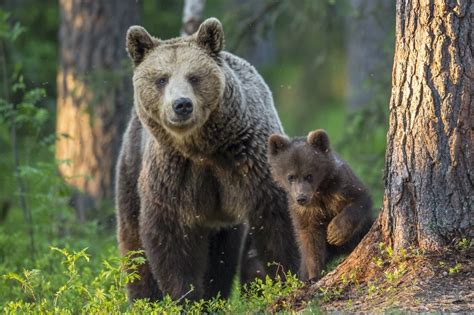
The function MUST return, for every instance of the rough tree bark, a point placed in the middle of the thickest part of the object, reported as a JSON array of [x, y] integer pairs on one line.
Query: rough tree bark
[[94, 94], [428, 201]]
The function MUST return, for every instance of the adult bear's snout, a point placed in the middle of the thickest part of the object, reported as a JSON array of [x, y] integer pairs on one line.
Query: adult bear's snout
[[183, 107]]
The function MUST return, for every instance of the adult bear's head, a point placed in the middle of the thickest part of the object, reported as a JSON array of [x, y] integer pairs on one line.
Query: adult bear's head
[[178, 82]]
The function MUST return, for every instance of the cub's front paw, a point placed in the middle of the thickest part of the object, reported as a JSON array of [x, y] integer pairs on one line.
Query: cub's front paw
[[339, 231]]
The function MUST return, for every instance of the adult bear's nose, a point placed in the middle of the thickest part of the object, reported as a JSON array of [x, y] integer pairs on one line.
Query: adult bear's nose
[[183, 107], [301, 199]]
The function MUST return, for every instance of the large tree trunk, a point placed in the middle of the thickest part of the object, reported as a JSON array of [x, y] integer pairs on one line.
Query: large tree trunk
[[429, 171], [428, 201], [94, 94]]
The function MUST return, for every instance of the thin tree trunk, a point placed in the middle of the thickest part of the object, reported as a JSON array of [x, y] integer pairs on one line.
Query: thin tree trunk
[[255, 42], [27, 216], [368, 61], [192, 16], [94, 94]]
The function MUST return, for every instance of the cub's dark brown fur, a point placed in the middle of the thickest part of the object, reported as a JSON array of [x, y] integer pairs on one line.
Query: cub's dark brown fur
[[330, 207]]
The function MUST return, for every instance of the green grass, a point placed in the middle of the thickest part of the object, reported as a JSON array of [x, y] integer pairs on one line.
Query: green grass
[[65, 281]]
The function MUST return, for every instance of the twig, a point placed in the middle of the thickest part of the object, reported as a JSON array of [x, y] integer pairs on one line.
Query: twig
[[185, 294]]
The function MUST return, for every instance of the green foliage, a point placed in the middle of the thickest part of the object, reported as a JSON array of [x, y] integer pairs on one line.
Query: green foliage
[[395, 273], [35, 53], [465, 244], [455, 269], [388, 257], [26, 113], [7, 32], [77, 283], [450, 270], [260, 293]]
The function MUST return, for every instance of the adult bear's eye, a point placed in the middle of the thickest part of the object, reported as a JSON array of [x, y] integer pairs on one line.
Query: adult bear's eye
[[309, 178], [193, 79], [291, 178], [161, 82]]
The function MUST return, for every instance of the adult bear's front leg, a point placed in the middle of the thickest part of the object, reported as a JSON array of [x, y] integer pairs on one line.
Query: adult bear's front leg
[[271, 228], [225, 247], [177, 255]]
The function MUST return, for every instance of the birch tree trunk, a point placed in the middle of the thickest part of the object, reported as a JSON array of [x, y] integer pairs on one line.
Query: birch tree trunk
[[94, 94], [192, 16]]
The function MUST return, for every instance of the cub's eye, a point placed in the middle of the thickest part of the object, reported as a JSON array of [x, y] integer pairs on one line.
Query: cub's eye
[[161, 82], [194, 79], [309, 178], [291, 178]]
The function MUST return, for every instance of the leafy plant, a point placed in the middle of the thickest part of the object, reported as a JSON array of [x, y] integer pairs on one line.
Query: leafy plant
[[465, 244], [455, 269], [80, 289]]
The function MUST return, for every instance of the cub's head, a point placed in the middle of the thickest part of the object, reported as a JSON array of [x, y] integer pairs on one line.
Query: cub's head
[[300, 166], [178, 82]]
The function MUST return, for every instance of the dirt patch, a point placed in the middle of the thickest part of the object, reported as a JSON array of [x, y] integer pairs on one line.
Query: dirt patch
[[420, 283]]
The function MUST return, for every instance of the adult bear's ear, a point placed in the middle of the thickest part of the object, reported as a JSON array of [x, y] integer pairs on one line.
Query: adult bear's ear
[[277, 144], [139, 43], [210, 36], [319, 140]]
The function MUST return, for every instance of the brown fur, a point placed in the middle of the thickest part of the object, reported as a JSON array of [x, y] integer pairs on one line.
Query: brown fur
[[191, 192], [330, 207]]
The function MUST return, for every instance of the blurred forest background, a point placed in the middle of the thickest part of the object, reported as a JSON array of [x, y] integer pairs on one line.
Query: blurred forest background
[[328, 64]]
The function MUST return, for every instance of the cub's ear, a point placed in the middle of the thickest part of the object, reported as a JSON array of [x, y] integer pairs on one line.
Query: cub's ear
[[139, 42], [210, 36], [277, 144], [319, 140]]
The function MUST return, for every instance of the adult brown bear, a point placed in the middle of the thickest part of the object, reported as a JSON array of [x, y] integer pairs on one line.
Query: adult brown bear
[[192, 169]]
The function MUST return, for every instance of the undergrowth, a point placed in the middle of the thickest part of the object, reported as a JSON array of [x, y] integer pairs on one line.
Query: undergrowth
[[74, 282]]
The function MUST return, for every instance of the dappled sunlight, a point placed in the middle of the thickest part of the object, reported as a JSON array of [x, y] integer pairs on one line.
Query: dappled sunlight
[[133, 182], [75, 145]]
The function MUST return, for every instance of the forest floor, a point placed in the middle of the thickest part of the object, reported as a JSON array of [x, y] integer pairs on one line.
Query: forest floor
[[426, 283]]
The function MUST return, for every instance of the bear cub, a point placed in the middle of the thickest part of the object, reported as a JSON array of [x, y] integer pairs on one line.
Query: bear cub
[[331, 209]]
